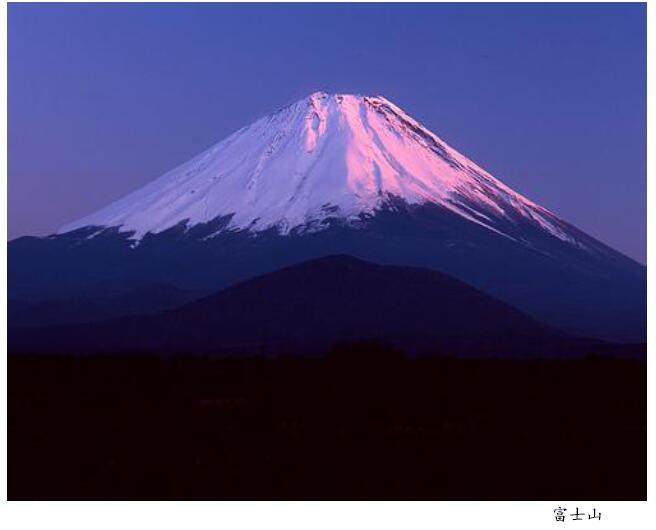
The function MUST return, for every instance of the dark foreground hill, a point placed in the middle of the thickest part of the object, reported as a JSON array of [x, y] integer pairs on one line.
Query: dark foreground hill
[[310, 307], [337, 428]]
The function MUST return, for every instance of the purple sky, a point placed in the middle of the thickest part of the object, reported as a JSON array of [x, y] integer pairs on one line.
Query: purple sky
[[551, 99]]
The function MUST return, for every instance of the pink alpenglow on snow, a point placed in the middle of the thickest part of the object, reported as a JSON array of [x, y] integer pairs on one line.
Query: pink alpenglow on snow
[[328, 155]]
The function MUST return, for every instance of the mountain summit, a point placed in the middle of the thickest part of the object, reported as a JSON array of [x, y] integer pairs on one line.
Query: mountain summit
[[328, 156]]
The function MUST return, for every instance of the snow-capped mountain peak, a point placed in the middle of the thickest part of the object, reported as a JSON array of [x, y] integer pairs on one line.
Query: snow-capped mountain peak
[[325, 156]]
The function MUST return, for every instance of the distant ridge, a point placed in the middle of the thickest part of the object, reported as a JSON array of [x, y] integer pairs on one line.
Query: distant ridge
[[312, 306]]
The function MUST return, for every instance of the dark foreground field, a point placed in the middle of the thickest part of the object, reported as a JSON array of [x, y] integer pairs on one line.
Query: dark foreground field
[[346, 427]]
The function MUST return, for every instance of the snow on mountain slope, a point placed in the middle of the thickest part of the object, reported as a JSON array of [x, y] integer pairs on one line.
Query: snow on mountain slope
[[325, 156]]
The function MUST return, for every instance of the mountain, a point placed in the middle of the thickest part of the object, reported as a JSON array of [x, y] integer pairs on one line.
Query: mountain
[[338, 174], [311, 307], [326, 156], [142, 300]]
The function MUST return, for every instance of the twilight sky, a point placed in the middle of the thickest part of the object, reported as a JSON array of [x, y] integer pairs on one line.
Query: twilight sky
[[551, 99]]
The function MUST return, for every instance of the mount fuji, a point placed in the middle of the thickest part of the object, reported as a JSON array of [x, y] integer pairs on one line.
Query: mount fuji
[[337, 174], [340, 156]]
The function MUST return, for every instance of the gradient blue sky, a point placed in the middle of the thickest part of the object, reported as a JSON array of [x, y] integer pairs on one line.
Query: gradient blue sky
[[551, 99]]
